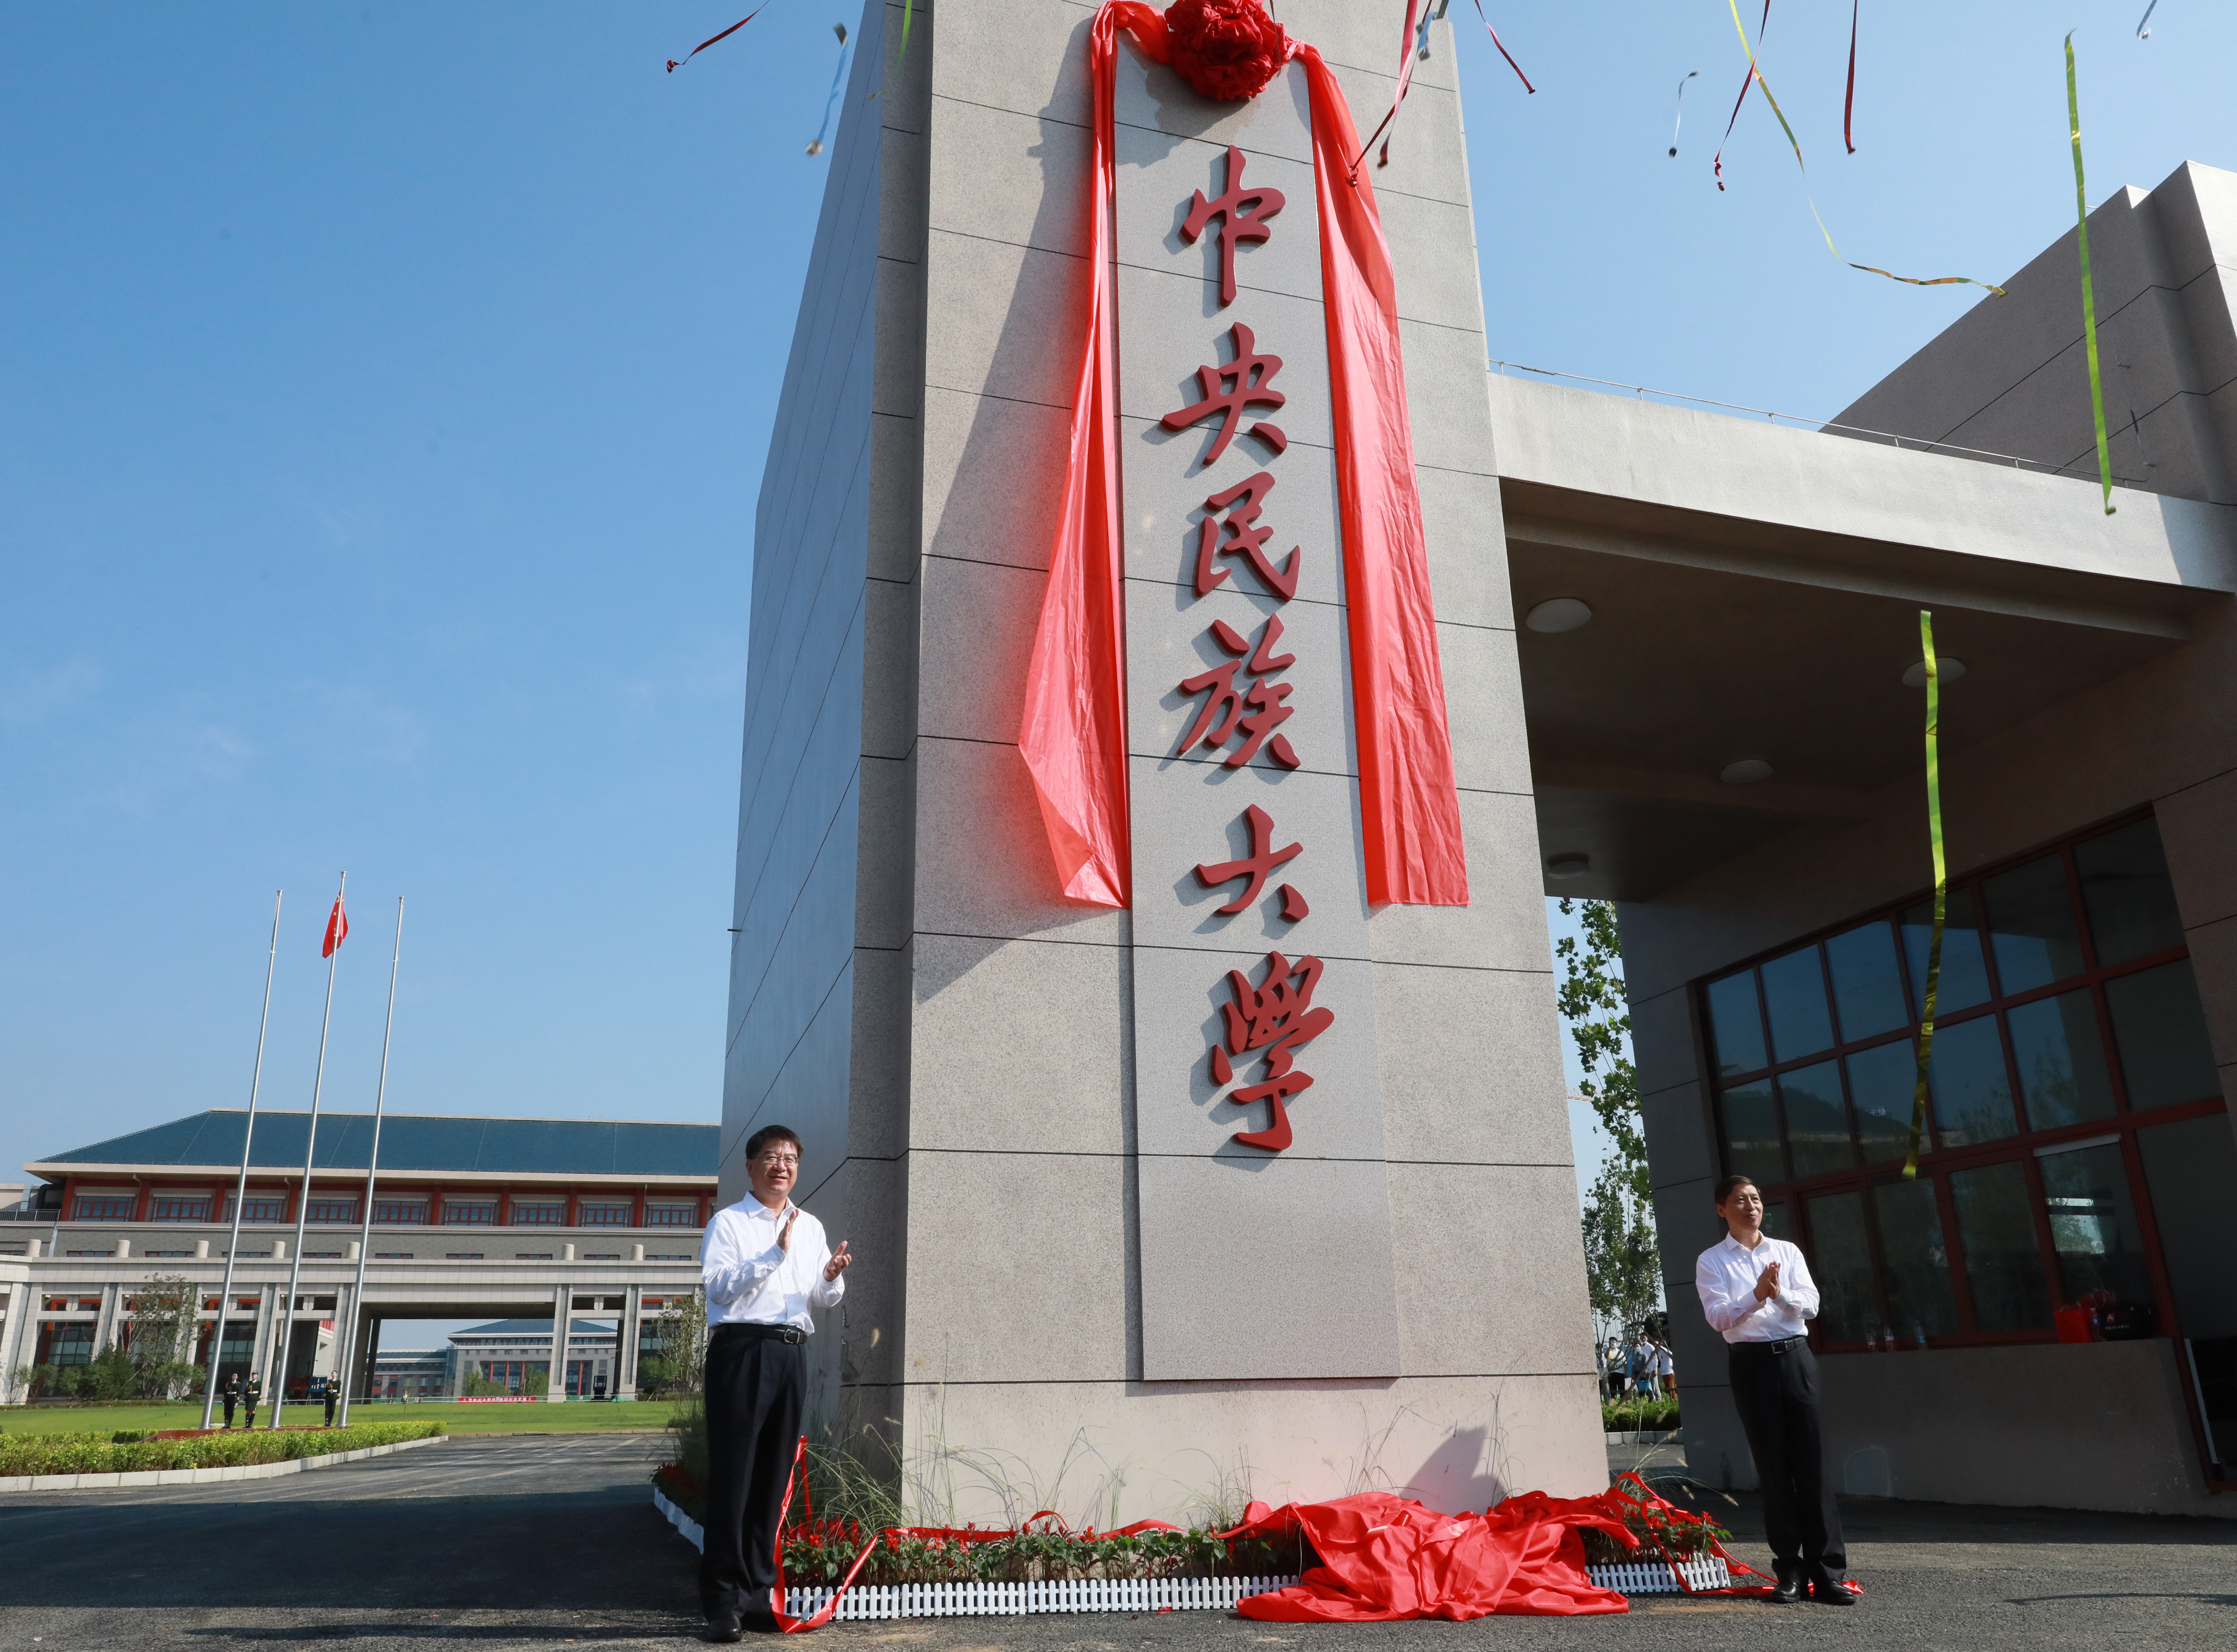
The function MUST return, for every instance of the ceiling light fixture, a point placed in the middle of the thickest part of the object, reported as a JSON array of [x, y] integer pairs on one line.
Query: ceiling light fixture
[[1746, 771], [1947, 667], [1558, 614], [1569, 866]]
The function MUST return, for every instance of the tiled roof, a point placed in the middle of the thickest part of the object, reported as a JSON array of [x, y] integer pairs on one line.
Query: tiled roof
[[415, 1141]]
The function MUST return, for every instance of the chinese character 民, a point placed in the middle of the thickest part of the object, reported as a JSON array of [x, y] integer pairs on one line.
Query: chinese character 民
[[1245, 382], [1255, 713], [1241, 214], [1255, 868], [1246, 539], [1275, 1019]]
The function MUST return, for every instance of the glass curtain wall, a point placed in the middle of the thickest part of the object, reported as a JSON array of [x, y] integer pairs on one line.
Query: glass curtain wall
[[2067, 1031]]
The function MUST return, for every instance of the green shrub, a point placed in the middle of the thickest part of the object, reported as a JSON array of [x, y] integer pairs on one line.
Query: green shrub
[[1639, 1416], [93, 1454]]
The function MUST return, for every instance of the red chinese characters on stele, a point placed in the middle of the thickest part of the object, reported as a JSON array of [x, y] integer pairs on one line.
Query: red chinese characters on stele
[[1244, 702]]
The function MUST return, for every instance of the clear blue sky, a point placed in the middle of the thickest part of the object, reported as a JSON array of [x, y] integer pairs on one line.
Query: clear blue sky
[[386, 388]]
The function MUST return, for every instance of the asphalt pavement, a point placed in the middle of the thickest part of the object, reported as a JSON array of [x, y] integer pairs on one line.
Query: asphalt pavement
[[547, 1541]]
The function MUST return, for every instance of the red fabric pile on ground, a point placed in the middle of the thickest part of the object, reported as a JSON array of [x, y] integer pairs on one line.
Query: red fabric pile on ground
[[1390, 1557]]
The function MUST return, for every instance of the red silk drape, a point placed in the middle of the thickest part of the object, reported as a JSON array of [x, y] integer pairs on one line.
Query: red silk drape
[[1074, 736]]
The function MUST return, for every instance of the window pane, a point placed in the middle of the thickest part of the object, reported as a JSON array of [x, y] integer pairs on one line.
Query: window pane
[[2031, 925], [1816, 1120], [2093, 1225], [1972, 1097], [1774, 1221], [1737, 1027], [2189, 1167], [1794, 998], [1841, 1263], [1867, 987], [1751, 1134], [1920, 1302], [1884, 1088], [2160, 1030], [2131, 897], [1964, 976], [2003, 1260], [2060, 1060]]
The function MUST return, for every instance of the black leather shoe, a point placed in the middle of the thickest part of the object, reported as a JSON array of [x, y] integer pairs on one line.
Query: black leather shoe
[[1786, 1591], [1830, 1592], [722, 1630]]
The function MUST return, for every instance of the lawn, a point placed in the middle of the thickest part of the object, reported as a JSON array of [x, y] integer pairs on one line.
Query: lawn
[[578, 1418]]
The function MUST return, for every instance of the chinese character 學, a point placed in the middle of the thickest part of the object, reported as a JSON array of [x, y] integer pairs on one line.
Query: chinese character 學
[[1261, 860], [1254, 714], [1243, 383], [1241, 214], [1275, 1019], [1246, 539]]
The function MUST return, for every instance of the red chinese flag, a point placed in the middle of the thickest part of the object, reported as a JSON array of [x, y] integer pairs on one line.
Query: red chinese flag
[[337, 929]]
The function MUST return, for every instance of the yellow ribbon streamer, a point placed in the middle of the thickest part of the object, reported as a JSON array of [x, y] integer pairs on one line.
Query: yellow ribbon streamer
[[2088, 298], [1756, 69], [1941, 893]]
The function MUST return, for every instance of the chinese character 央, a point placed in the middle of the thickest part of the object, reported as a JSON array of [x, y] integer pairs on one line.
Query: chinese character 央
[[1274, 1019], [1241, 213], [1254, 713], [1245, 538], [1243, 383]]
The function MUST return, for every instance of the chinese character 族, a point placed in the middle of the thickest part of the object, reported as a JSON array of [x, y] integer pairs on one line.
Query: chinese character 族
[[1256, 713], [1241, 213], [1256, 867], [1245, 538], [1274, 1019], [1228, 392]]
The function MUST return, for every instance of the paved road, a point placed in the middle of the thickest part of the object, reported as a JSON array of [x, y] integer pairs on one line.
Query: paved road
[[514, 1543]]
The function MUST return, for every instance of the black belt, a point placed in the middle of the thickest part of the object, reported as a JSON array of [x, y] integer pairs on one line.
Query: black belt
[[763, 1332], [1779, 1347]]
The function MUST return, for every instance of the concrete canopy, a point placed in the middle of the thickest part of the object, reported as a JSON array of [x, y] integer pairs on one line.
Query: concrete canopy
[[1755, 594]]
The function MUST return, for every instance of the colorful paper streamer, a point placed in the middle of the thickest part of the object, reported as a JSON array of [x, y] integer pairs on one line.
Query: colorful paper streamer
[[1848, 100], [2089, 298], [674, 63], [1755, 74], [1941, 893], [1679, 124], [838, 74], [2144, 22]]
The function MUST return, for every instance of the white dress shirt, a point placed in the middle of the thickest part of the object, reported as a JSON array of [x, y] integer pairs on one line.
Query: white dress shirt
[[1725, 1277], [750, 1279]]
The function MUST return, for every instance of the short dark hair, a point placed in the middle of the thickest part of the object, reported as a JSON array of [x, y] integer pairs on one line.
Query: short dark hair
[[769, 1133], [1724, 1189]]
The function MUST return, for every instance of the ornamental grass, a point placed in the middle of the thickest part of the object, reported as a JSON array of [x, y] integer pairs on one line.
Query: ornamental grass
[[105, 1454]]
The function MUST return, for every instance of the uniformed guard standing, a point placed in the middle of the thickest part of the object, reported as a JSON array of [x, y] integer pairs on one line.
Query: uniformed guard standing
[[253, 1393]]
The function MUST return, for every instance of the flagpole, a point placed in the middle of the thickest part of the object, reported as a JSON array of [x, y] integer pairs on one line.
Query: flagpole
[[240, 1187], [303, 1194], [349, 1367]]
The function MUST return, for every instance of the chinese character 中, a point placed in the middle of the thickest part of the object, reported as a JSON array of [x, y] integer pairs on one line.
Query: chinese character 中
[[1241, 214], [1246, 539], [1255, 868], [1245, 382], [1275, 1019], [1255, 713]]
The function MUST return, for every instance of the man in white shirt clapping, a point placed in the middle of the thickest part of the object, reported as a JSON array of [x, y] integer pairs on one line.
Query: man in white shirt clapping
[[764, 1264], [1757, 1292]]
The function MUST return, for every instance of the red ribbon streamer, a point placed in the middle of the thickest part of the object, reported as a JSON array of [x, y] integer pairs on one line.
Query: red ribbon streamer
[[1503, 52], [1073, 734], [674, 63], [1849, 103], [1717, 162]]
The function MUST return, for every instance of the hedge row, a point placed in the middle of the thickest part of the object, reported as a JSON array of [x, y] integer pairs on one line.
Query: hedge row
[[99, 1454]]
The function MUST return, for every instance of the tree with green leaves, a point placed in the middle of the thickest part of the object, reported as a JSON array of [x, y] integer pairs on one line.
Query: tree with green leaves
[[1623, 1264], [677, 1360], [164, 1323]]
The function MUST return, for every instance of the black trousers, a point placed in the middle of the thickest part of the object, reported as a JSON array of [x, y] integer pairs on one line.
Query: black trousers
[[229, 1402], [1775, 1386], [755, 1387]]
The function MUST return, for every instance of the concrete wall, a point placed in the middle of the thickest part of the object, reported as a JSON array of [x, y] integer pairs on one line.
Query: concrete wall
[[2011, 375], [1952, 534], [985, 1085]]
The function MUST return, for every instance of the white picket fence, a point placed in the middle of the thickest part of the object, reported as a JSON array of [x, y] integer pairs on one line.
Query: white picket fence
[[1653, 1577], [1056, 1594]]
